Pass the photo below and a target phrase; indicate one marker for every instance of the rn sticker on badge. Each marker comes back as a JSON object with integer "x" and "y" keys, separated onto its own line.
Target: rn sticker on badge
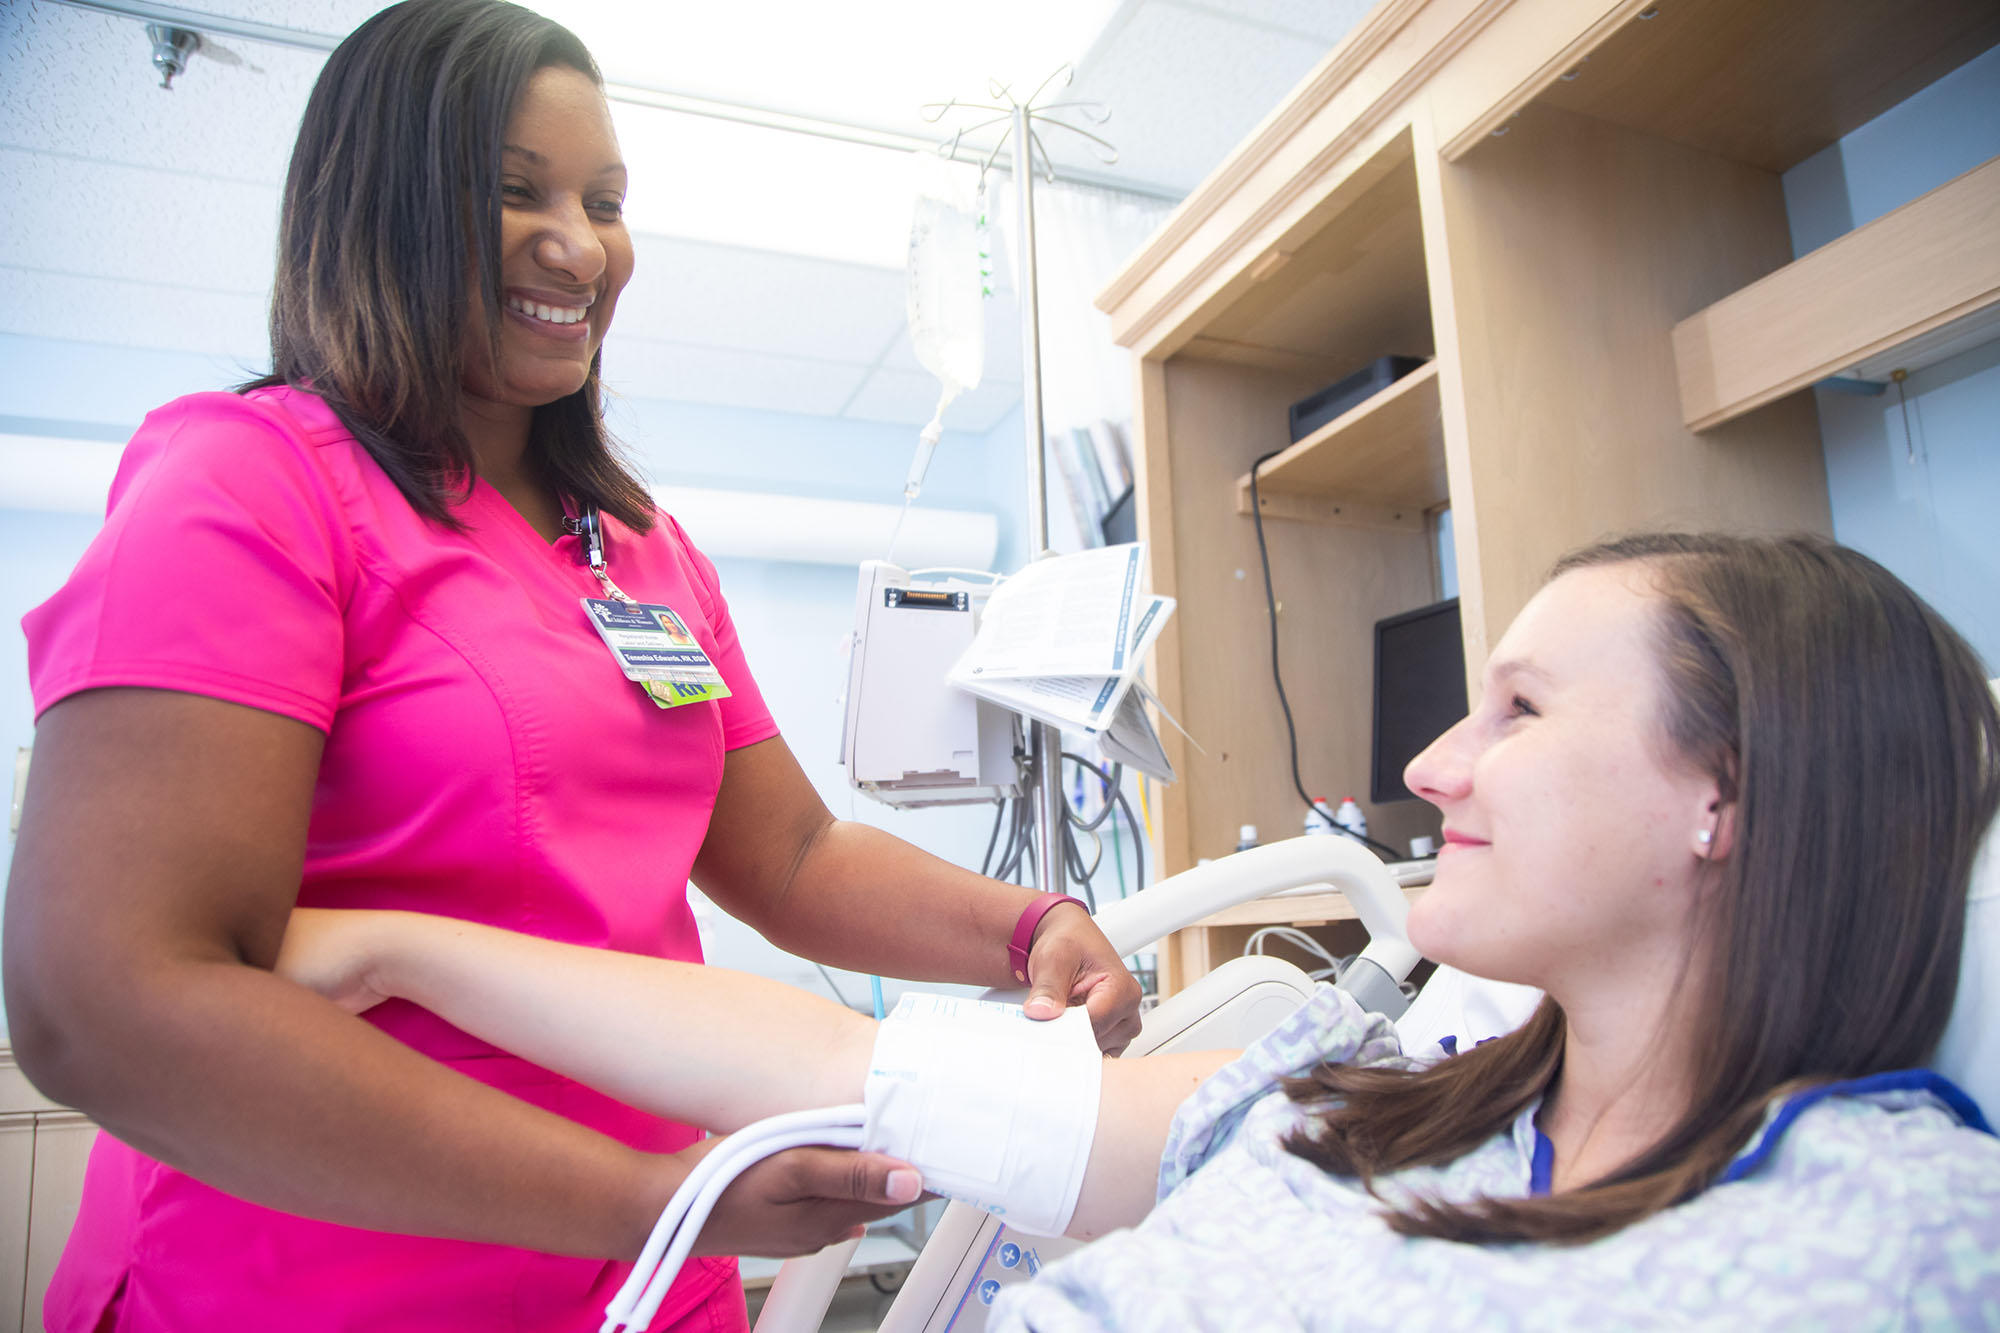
{"x": 653, "y": 646}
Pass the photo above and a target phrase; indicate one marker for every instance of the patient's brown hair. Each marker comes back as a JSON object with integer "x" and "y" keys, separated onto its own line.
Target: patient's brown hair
{"x": 1855, "y": 732}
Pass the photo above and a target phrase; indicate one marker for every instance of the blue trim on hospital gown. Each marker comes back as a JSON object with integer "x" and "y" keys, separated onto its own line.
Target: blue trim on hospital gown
{"x": 1901, "y": 1080}
{"x": 1542, "y": 1166}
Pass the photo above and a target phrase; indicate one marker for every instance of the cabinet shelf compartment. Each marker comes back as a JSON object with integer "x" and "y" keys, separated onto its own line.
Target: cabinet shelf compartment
{"x": 1767, "y": 84}
{"x": 1379, "y": 464}
{"x": 1923, "y": 280}
{"x": 1345, "y": 285}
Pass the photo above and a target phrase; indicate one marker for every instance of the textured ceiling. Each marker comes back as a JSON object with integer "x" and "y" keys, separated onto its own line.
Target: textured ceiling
{"x": 141, "y": 218}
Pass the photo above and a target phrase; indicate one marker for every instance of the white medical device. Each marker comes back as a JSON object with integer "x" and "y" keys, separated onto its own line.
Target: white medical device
{"x": 910, "y": 739}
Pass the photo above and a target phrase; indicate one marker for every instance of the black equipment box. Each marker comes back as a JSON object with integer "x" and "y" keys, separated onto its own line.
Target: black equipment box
{"x": 1309, "y": 414}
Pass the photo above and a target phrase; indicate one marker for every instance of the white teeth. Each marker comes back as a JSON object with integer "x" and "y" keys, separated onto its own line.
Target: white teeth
{"x": 551, "y": 314}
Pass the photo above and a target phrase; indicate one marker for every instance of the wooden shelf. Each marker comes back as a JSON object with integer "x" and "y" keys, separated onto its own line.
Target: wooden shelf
{"x": 1764, "y": 82}
{"x": 1925, "y": 278}
{"x": 1342, "y": 287}
{"x": 1379, "y": 464}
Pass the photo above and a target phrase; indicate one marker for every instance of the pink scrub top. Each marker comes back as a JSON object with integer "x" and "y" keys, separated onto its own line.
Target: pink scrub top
{"x": 484, "y": 759}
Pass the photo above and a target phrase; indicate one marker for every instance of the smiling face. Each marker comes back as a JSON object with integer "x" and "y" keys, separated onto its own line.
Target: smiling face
{"x": 1572, "y": 828}
{"x": 564, "y": 251}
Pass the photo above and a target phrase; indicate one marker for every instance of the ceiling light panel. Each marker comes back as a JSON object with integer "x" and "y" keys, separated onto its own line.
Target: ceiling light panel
{"x": 714, "y": 180}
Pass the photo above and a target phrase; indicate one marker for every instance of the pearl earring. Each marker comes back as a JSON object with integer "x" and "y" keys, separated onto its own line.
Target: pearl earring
{"x": 1704, "y": 837}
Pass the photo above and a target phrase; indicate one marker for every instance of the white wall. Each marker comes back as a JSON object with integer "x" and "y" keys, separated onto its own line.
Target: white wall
{"x": 1918, "y": 489}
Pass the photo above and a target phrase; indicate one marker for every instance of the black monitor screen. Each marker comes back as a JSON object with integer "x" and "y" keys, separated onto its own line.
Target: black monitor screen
{"x": 1419, "y": 691}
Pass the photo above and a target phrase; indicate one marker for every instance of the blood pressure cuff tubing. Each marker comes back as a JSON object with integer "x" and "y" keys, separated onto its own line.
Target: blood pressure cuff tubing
{"x": 995, "y": 1109}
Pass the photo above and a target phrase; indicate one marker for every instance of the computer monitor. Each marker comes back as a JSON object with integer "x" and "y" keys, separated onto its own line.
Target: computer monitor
{"x": 1419, "y": 691}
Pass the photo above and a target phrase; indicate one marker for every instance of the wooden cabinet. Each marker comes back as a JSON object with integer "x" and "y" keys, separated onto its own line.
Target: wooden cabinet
{"x": 1535, "y": 195}
{"x": 43, "y": 1151}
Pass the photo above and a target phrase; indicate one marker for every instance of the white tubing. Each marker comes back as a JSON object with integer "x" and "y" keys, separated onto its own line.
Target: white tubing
{"x": 697, "y": 1216}
{"x": 673, "y": 1236}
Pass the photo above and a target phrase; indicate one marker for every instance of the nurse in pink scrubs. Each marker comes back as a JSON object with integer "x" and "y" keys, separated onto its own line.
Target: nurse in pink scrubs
{"x": 339, "y": 645}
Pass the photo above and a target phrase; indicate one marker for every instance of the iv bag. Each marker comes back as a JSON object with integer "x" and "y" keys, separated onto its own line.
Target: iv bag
{"x": 947, "y": 290}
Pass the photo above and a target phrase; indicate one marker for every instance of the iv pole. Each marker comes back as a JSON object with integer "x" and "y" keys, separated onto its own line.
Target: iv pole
{"x": 1045, "y": 745}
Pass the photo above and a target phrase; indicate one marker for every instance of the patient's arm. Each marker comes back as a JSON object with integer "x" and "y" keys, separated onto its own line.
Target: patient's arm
{"x": 700, "y": 1044}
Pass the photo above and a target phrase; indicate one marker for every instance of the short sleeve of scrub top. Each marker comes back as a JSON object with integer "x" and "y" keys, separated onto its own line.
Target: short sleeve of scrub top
{"x": 484, "y": 758}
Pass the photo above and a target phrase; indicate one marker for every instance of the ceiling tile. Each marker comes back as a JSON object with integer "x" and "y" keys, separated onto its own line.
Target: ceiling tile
{"x": 99, "y": 220}
{"x": 753, "y": 300}
{"x": 1326, "y": 21}
{"x": 645, "y": 368}
{"x": 1191, "y": 85}
{"x": 135, "y": 314}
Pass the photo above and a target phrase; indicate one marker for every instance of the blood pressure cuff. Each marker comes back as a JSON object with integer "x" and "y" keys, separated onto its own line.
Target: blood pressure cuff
{"x": 995, "y": 1109}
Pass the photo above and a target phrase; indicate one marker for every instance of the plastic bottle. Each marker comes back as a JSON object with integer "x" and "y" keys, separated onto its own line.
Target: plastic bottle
{"x": 1319, "y": 819}
{"x": 1349, "y": 817}
{"x": 1246, "y": 837}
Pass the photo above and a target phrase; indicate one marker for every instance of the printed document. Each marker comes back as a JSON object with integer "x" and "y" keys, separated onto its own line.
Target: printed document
{"x": 1062, "y": 642}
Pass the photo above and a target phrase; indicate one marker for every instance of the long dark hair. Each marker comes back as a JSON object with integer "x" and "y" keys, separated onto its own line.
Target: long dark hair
{"x": 1854, "y": 731}
{"x": 391, "y": 212}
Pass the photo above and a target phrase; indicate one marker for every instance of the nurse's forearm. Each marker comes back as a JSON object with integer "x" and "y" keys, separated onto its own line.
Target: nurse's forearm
{"x": 846, "y": 893}
{"x": 701, "y": 1044}
{"x": 878, "y": 904}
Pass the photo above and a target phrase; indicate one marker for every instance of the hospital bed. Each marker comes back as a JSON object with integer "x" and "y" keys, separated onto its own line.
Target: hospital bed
{"x": 971, "y": 1255}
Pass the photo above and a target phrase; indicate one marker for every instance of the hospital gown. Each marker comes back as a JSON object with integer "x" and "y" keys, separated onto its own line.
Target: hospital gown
{"x": 1879, "y": 1210}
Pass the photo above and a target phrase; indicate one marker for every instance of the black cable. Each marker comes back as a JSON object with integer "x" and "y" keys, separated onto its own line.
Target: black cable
{"x": 1110, "y": 782}
{"x": 1114, "y": 790}
{"x": 1271, "y": 604}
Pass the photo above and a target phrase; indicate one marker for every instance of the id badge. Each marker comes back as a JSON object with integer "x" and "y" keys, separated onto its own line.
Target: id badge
{"x": 654, "y": 647}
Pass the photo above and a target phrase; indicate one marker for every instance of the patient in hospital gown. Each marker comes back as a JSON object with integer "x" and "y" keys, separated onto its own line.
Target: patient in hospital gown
{"x": 1871, "y": 1210}
{"x": 1719, "y": 802}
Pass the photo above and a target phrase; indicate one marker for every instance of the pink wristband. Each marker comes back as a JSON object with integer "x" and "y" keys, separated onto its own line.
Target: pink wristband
{"x": 1024, "y": 931}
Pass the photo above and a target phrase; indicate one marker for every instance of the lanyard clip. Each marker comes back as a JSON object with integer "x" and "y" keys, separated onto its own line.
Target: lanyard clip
{"x": 590, "y": 527}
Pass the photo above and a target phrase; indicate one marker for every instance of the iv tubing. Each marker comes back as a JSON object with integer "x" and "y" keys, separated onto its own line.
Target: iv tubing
{"x": 673, "y": 1236}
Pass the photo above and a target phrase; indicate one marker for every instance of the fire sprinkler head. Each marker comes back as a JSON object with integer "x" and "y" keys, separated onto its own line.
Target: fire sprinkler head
{"x": 171, "y": 49}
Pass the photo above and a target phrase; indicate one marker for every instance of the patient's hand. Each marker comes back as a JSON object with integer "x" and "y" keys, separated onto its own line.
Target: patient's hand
{"x": 336, "y": 953}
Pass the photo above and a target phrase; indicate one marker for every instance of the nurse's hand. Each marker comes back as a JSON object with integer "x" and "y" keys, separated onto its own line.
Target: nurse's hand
{"x": 803, "y": 1199}
{"x": 1070, "y": 962}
